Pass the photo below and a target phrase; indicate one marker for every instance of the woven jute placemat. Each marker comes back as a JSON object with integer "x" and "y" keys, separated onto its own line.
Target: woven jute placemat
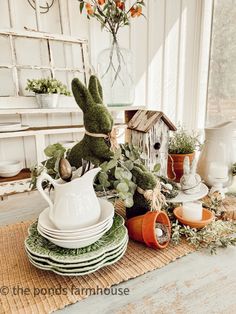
{"x": 26, "y": 289}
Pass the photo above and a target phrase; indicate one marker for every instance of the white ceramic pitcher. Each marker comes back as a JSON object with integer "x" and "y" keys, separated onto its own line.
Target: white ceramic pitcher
{"x": 75, "y": 203}
{"x": 215, "y": 161}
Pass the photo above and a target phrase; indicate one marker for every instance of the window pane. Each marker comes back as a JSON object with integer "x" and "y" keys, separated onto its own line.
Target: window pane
{"x": 7, "y": 87}
{"x": 80, "y": 75}
{"x": 63, "y": 77}
{"x": 30, "y": 51}
{"x": 67, "y": 77}
{"x": 77, "y": 56}
{"x": 5, "y": 55}
{"x": 222, "y": 76}
{"x": 58, "y": 53}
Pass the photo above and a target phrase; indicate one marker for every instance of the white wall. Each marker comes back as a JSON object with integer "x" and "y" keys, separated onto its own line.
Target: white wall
{"x": 169, "y": 46}
{"x": 168, "y": 56}
{"x": 166, "y": 47}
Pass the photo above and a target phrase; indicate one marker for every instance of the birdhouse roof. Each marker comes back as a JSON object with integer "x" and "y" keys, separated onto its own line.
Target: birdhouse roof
{"x": 144, "y": 120}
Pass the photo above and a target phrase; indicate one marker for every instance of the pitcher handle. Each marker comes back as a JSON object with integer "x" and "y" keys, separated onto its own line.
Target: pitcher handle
{"x": 41, "y": 178}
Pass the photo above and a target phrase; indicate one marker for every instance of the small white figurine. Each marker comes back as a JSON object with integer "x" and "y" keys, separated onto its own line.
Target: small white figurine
{"x": 190, "y": 181}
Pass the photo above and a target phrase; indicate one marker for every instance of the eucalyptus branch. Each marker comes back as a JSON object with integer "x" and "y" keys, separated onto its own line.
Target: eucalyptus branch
{"x": 216, "y": 235}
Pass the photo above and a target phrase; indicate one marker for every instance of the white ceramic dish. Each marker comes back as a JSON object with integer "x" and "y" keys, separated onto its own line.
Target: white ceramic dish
{"x": 10, "y": 168}
{"x": 75, "y": 244}
{"x": 77, "y": 235}
{"x": 107, "y": 212}
{"x": 15, "y": 129}
{"x": 182, "y": 197}
{"x": 41, "y": 248}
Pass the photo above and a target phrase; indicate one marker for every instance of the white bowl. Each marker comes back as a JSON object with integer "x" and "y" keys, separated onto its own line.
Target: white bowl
{"x": 76, "y": 235}
{"x": 10, "y": 168}
{"x": 75, "y": 243}
{"x": 107, "y": 212}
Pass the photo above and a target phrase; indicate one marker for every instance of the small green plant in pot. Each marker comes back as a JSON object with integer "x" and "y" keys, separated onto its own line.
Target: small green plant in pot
{"x": 181, "y": 144}
{"x": 47, "y": 91}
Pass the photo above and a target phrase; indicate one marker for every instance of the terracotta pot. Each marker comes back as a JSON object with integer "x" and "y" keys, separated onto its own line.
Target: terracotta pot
{"x": 177, "y": 161}
{"x": 142, "y": 228}
{"x": 207, "y": 217}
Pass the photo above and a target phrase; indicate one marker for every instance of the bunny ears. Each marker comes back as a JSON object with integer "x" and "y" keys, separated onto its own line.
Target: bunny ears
{"x": 187, "y": 168}
{"x": 86, "y": 97}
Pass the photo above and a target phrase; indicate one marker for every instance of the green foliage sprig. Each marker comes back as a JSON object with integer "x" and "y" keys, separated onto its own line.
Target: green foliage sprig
{"x": 183, "y": 142}
{"x": 213, "y": 236}
{"x": 54, "y": 153}
{"x": 47, "y": 86}
{"x": 117, "y": 173}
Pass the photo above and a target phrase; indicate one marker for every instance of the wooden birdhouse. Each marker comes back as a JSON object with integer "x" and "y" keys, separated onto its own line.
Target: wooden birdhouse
{"x": 149, "y": 130}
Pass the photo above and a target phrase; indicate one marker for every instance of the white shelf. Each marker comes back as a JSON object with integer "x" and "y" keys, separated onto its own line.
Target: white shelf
{"x": 21, "y": 111}
{"x": 49, "y": 130}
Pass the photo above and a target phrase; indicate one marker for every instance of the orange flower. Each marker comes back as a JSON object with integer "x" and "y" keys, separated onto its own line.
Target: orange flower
{"x": 133, "y": 12}
{"x": 90, "y": 12}
{"x": 139, "y": 11}
{"x": 120, "y": 5}
{"x": 88, "y": 6}
{"x": 136, "y": 11}
{"x": 101, "y": 2}
{"x": 89, "y": 9}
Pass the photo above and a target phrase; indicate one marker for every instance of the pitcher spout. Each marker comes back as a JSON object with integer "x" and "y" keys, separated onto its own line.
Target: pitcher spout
{"x": 91, "y": 174}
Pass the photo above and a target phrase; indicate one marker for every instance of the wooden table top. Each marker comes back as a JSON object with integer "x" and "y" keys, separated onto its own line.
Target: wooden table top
{"x": 197, "y": 283}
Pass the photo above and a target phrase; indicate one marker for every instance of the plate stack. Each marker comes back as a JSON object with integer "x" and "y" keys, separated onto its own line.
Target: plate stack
{"x": 12, "y": 127}
{"x": 81, "y": 251}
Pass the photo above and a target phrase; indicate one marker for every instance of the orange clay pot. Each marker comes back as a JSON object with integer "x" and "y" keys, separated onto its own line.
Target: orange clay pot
{"x": 142, "y": 228}
{"x": 178, "y": 161}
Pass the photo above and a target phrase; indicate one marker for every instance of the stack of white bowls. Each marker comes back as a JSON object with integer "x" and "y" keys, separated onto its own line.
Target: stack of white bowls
{"x": 78, "y": 238}
{"x": 10, "y": 168}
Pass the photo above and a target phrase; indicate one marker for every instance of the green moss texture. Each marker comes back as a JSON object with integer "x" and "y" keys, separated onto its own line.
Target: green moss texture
{"x": 97, "y": 119}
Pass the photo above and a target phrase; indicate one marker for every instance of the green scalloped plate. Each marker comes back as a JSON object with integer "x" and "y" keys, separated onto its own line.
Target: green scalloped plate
{"x": 78, "y": 269}
{"x": 63, "y": 272}
{"x": 43, "y": 248}
{"x": 86, "y": 263}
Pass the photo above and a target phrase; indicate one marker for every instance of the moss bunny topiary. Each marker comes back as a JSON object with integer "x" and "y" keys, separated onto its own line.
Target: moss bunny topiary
{"x": 97, "y": 121}
{"x": 146, "y": 183}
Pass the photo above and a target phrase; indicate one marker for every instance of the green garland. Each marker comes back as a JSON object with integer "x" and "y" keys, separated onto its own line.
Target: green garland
{"x": 218, "y": 234}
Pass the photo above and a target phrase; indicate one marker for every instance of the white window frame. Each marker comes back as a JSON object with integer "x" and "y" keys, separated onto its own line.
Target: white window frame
{"x": 24, "y": 101}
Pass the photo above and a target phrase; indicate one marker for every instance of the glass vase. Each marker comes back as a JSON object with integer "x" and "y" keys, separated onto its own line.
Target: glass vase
{"x": 116, "y": 72}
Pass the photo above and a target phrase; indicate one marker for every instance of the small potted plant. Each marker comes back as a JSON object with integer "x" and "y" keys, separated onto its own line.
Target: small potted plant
{"x": 47, "y": 91}
{"x": 181, "y": 144}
